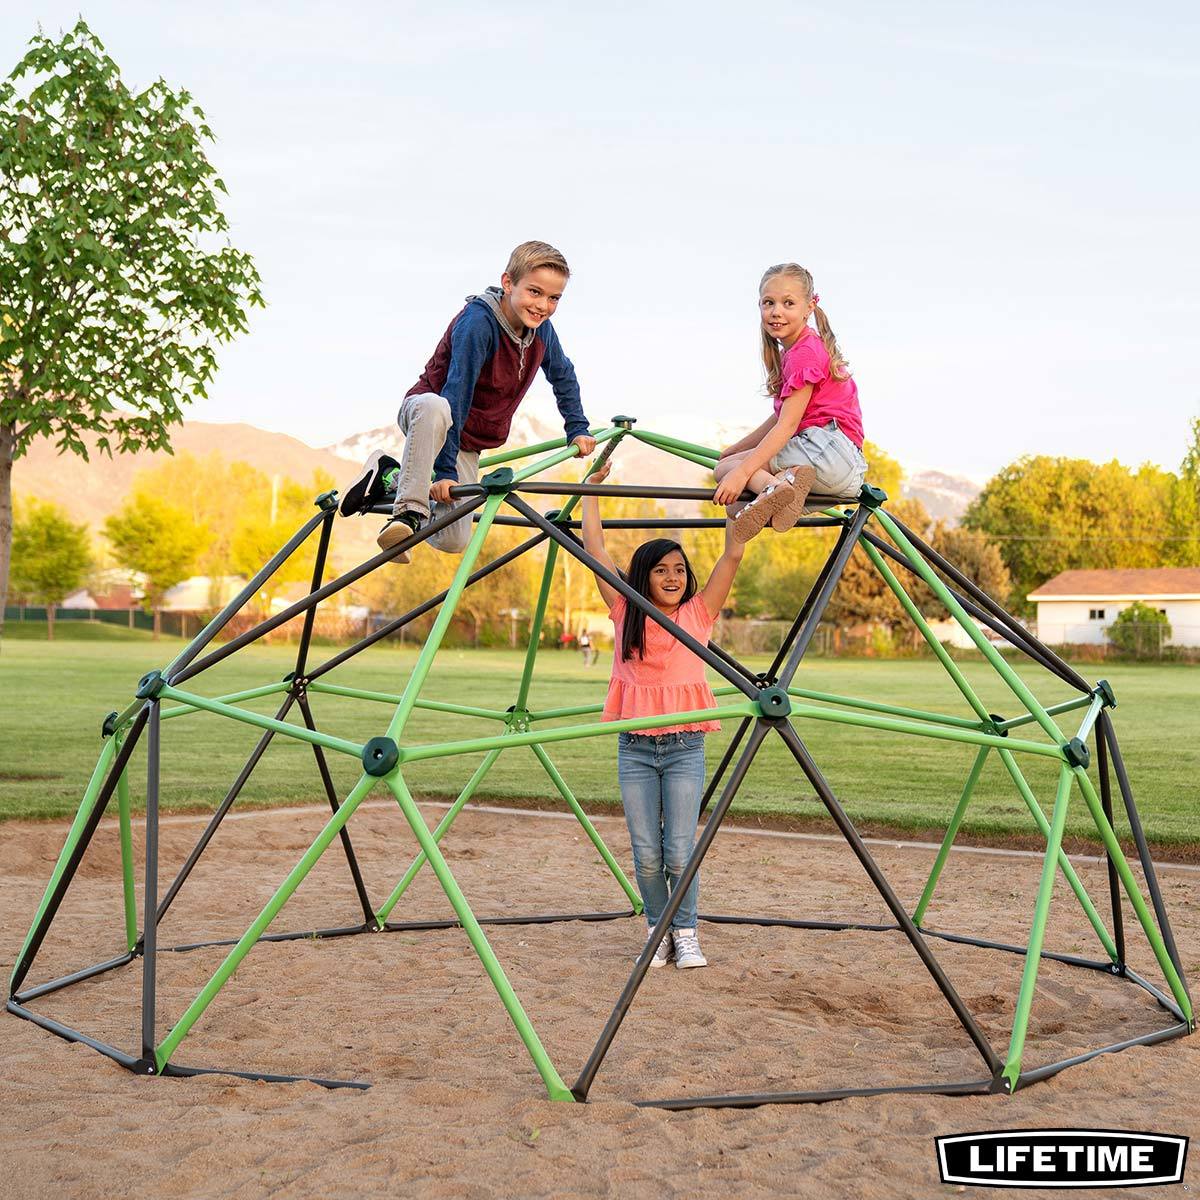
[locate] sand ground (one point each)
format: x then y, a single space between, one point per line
456 1107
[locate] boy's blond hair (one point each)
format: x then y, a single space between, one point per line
529 256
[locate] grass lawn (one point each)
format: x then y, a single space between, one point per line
55 696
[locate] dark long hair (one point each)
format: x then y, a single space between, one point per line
645 558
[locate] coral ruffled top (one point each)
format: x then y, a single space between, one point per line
669 679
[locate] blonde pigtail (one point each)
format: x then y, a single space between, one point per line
839 368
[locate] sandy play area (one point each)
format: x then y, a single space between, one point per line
456 1108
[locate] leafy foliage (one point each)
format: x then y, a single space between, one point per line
1140 630
51 555
156 539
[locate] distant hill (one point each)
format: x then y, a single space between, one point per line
945 496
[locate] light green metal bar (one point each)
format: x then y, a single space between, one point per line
424 662
1117 855
495 460
333 826
1053 711
914 613
269 689
126 836
1037 933
671 443
571 732
107 753
1089 718
951 833
461 710
1068 871
702 460
582 710
443 825
249 718
555 1087
589 828
544 464
1010 677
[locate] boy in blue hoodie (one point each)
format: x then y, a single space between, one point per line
465 398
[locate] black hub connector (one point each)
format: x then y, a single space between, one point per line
327 501
774 703
150 685
499 481
871 497
380 755
1076 753
623 421
110 725
1104 689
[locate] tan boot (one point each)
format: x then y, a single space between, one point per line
801 479
750 521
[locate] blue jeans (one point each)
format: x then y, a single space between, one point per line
662 782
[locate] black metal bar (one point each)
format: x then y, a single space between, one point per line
587 1076
150 930
1114 881
399 622
72 1035
311 615
837 565
210 631
327 782
1167 1002
723 765
119 763
1148 1039
572 547
263 1076
806 607
663 523
323 593
757 1099
44 989
973 590
654 493
219 815
1139 838
767 922
809 767
1073 960
1018 638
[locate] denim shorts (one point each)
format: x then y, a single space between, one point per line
839 463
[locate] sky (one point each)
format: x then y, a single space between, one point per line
998 203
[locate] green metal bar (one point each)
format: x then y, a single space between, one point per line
333 826
914 613
967 736
571 732
1010 677
269 689
1068 871
582 710
535 627
555 1087
544 464
417 863
1053 711
495 460
589 828
951 832
424 662
916 714
249 718
670 443
702 460
1089 718
1117 855
107 753
461 710
1037 934
126 835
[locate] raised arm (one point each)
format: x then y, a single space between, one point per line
716 591
781 429
593 538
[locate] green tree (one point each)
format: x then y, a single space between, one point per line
51 556
114 282
1185 505
157 540
1140 630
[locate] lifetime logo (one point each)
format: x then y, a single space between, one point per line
1061 1158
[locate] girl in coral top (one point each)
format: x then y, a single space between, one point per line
813 440
661 771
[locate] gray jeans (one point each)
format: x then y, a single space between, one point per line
425 420
839 463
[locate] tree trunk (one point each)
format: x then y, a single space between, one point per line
157 622
49 622
7 443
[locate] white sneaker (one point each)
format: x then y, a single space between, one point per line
687 949
664 953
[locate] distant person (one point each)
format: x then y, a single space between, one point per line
587 648
814 439
466 397
661 771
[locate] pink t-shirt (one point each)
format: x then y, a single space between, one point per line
669 679
832 399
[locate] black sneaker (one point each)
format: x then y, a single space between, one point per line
375 480
399 528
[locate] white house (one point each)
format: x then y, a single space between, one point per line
1078 606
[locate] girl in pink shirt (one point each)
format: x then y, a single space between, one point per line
661 770
813 441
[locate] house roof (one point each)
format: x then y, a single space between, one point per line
1132 583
